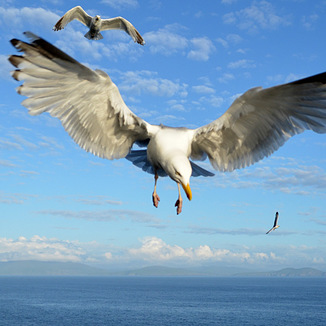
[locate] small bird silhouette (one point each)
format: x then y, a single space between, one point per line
96 24
275 226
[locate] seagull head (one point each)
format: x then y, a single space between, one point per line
180 171
97 20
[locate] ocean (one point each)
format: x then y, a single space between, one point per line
154 301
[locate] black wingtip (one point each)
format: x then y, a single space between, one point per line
14 42
319 78
15 60
46 48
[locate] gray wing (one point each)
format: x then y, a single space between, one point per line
123 24
199 171
74 13
87 102
139 159
260 121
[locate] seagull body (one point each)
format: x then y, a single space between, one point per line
94 114
275 226
96 24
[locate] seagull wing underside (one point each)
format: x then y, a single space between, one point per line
87 102
272 229
74 13
260 121
123 24
139 159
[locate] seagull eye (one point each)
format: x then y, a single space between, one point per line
177 173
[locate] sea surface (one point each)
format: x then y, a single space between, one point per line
155 301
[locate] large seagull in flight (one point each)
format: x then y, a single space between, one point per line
92 111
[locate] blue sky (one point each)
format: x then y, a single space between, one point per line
58 202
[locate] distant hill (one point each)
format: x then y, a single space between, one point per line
288 272
161 271
41 268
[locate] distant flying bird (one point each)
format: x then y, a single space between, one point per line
96 24
275 226
94 114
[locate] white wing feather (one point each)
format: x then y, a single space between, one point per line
123 24
260 121
74 13
87 102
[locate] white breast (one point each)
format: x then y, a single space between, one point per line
168 142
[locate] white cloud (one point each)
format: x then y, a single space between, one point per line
121 45
260 15
230 39
7 164
5 68
24 143
14 198
243 63
202 49
97 201
104 215
9 145
286 178
40 248
212 100
166 40
212 231
138 82
202 89
225 78
108 255
25 173
153 250
229 1
156 250
121 3
50 142
175 105
169 119
17 17
310 21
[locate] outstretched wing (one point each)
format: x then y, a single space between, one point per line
276 219
74 13
87 102
260 121
123 24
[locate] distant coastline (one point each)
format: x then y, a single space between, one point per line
42 268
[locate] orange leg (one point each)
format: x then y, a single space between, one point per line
178 203
155 196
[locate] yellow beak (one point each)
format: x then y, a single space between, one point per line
187 190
